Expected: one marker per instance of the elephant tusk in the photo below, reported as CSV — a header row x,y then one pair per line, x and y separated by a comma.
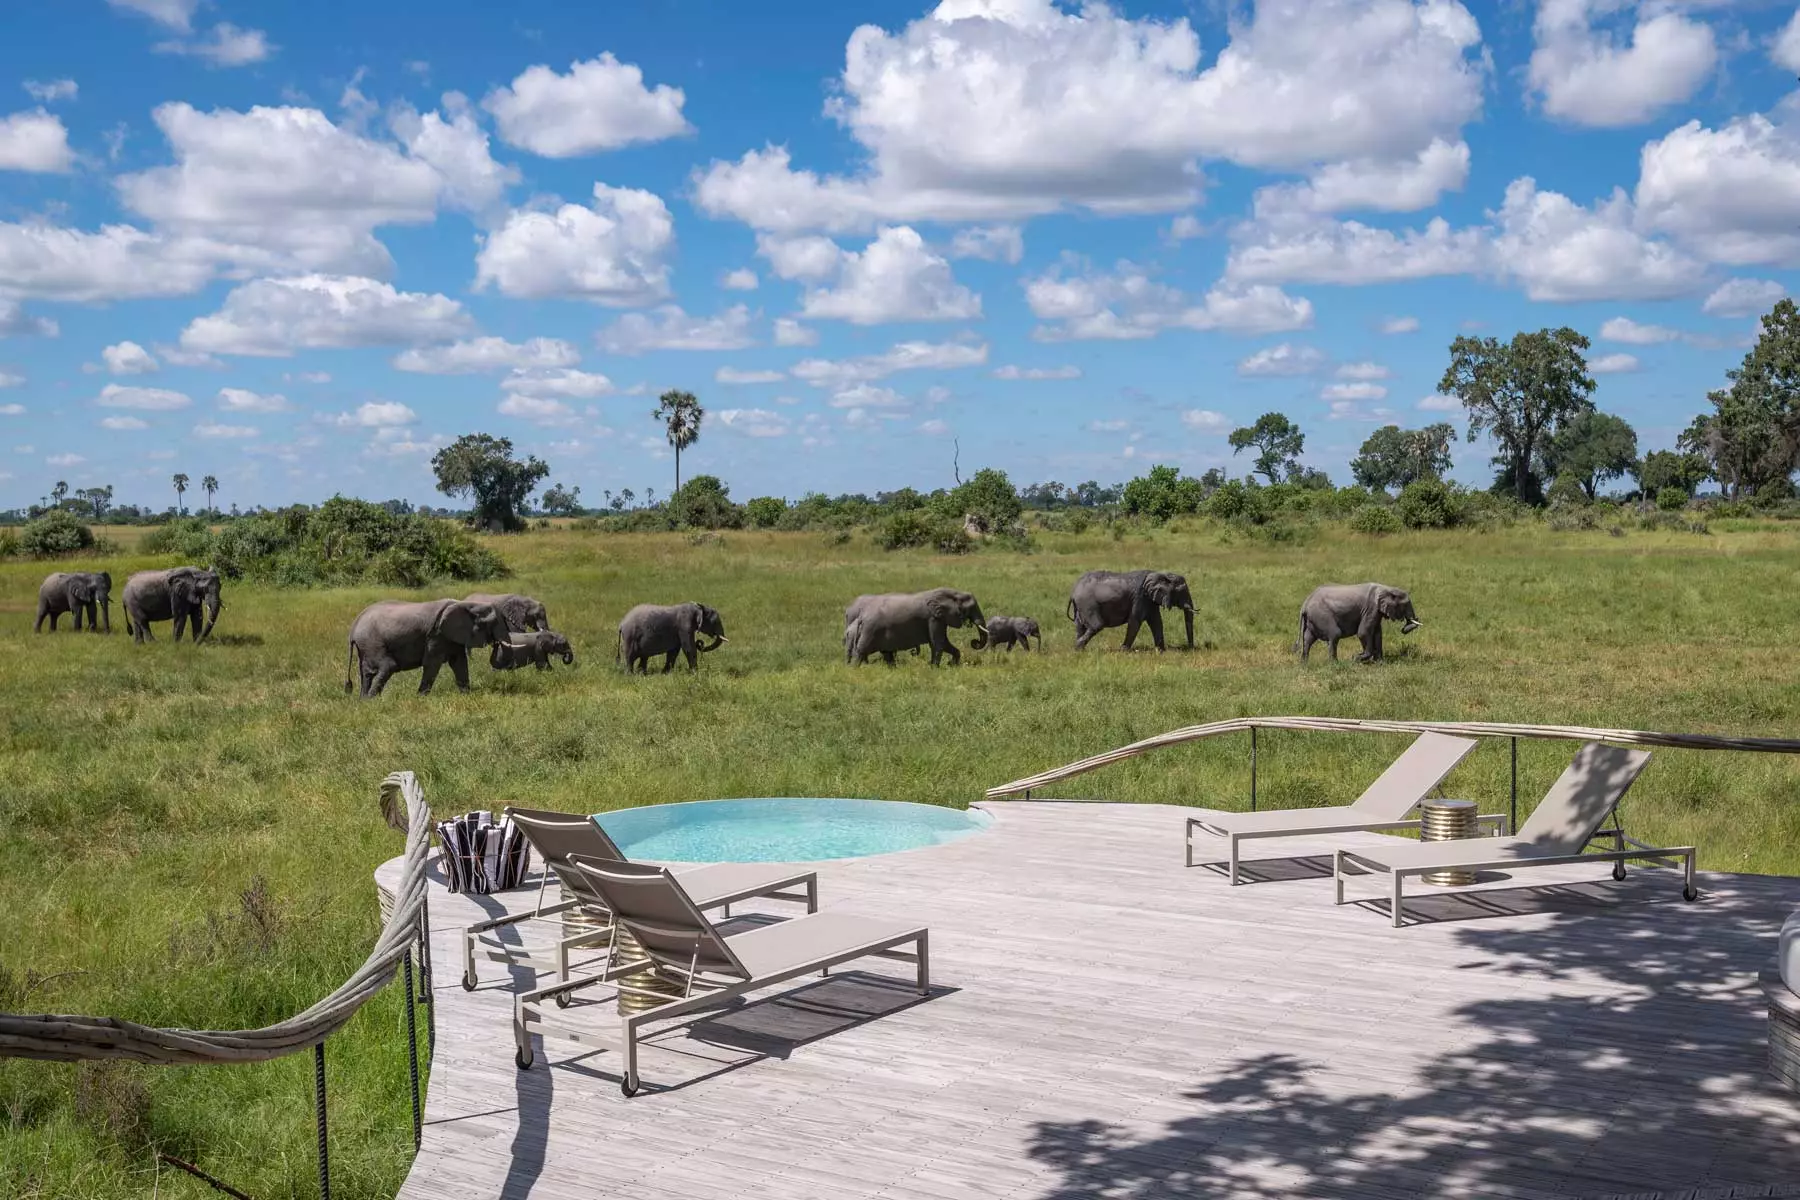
x,y
723,638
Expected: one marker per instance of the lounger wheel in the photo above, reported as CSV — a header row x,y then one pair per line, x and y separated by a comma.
x,y
1690,894
562,999
468,981
522,1056
1618,870
629,1085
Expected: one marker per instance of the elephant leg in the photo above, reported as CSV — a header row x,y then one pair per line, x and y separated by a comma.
x,y
1331,644
669,661
38,625
53,619
459,667
1131,631
887,656
1154,620
75,615
1083,635
429,675
375,678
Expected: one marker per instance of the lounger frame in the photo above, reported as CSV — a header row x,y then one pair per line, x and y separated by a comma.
x,y
1496,823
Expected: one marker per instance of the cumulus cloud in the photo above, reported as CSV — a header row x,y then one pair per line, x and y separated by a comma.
x,y
117,262
385,414
1205,420
16,322
474,356
867,395
1440,403
274,317
1560,251
735,375
741,280
896,277
1127,304
670,328
1374,184
457,149
934,427
789,332
754,422
903,356
539,410
128,358
1588,76
123,424
240,400
1634,333
611,253
1284,358
1730,193
1613,364
52,91
35,141
1393,325
225,45
115,395
212,429
64,460
996,243
1362,370
1786,49
601,104
986,110
1743,298
174,14
557,381
1353,391
1013,372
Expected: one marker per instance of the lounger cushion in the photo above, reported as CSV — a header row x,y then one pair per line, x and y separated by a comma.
x,y
713,883
1406,855
1288,820
773,949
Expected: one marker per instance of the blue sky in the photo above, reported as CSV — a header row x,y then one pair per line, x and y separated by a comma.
x,y
298,248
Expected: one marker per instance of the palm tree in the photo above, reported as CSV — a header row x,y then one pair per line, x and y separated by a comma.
x,y
680,414
181,482
58,492
210,484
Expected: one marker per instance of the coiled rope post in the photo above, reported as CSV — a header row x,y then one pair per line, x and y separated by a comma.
x,y
319,1112
412,1052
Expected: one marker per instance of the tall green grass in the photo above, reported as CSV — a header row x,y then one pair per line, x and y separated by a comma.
x,y
146,788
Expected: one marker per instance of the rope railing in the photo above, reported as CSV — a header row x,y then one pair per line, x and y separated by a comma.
x,y
1195,733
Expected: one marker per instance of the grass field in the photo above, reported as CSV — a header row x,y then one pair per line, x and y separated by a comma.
x,y
147,789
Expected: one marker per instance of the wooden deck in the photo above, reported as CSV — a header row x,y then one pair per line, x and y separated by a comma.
x,y
1107,1023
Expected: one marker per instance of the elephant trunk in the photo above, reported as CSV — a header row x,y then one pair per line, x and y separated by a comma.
x,y
981,637
213,604
1412,623
106,613
1187,617
568,658
719,639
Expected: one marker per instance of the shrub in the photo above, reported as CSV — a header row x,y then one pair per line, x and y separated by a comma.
x,y
704,502
1427,504
1236,499
1671,499
56,532
1161,494
912,527
9,543
954,540
1566,517
1565,491
1375,519
990,498
764,512
1076,520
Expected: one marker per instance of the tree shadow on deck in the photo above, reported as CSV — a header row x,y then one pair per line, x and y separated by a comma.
x,y
1623,1052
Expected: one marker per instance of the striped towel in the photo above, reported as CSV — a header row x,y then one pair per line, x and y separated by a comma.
x,y
479,855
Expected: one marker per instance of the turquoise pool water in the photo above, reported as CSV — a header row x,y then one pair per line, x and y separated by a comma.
x,y
784,829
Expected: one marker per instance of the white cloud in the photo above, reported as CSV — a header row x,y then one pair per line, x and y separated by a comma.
x,y
457,149
1400,325
867,395
669,328
1561,252
1743,298
116,263
789,332
211,429
1440,403
934,427
996,243
540,410
601,104
1613,364
50,93
65,460
175,356
987,109
124,424
1013,372
1204,419
1186,227
557,381
225,45
754,422
313,377
1309,250
474,356
275,317
1351,410
896,277
1284,358
741,280
1376,184
1731,193
386,414
115,395
1353,391
811,259
1127,304
390,442
1633,333
1589,77
1786,49
34,141
903,356
176,14
1114,426
611,253
11,379
128,358
735,375
16,322
241,401
1362,370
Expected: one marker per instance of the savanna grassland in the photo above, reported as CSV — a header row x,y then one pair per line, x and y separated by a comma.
x,y
189,831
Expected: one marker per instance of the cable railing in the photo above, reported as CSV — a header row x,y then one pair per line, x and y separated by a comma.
x,y
404,934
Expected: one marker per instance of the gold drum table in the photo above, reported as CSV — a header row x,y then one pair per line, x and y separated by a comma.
x,y
626,947
1445,821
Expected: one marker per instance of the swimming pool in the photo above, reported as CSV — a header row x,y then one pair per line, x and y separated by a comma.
x,y
784,829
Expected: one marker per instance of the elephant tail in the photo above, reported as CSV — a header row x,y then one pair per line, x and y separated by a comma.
x,y
1070,613
349,664
1301,640
618,644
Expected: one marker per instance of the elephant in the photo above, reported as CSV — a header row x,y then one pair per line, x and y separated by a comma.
x,y
522,613
403,635
1337,610
177,594
1004,631
531,649
885,624
1103,599
75,592
668,630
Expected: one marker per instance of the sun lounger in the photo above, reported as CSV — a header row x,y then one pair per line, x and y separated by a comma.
x,y
557,837
1566,820
698,967
1383,806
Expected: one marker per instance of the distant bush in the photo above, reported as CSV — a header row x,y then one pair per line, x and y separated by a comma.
x,y
764,512
1673,499
1374,518
56,532
912,527
704,502
9,543
1235,499
1566,518
1674,521
1427,504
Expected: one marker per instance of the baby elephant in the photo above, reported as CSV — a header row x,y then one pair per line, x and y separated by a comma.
x,y
668,630
530,649
1004,631
1340,610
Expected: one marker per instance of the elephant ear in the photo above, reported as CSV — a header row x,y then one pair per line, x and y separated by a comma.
x,y
1390,601
106,580
1158,587
456,622
938,608
181,590
81,590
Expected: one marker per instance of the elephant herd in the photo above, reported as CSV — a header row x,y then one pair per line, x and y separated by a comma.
x,y
398,635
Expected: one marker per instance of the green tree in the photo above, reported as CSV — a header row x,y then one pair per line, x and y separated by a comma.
x,y
1520,393
989,497
1393,457
765,512
562,501
210,485
704,502
181,486
680,414
1594,447
1162,493
99,499
1661,470
482,466
58,492
1751,439
1278,442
